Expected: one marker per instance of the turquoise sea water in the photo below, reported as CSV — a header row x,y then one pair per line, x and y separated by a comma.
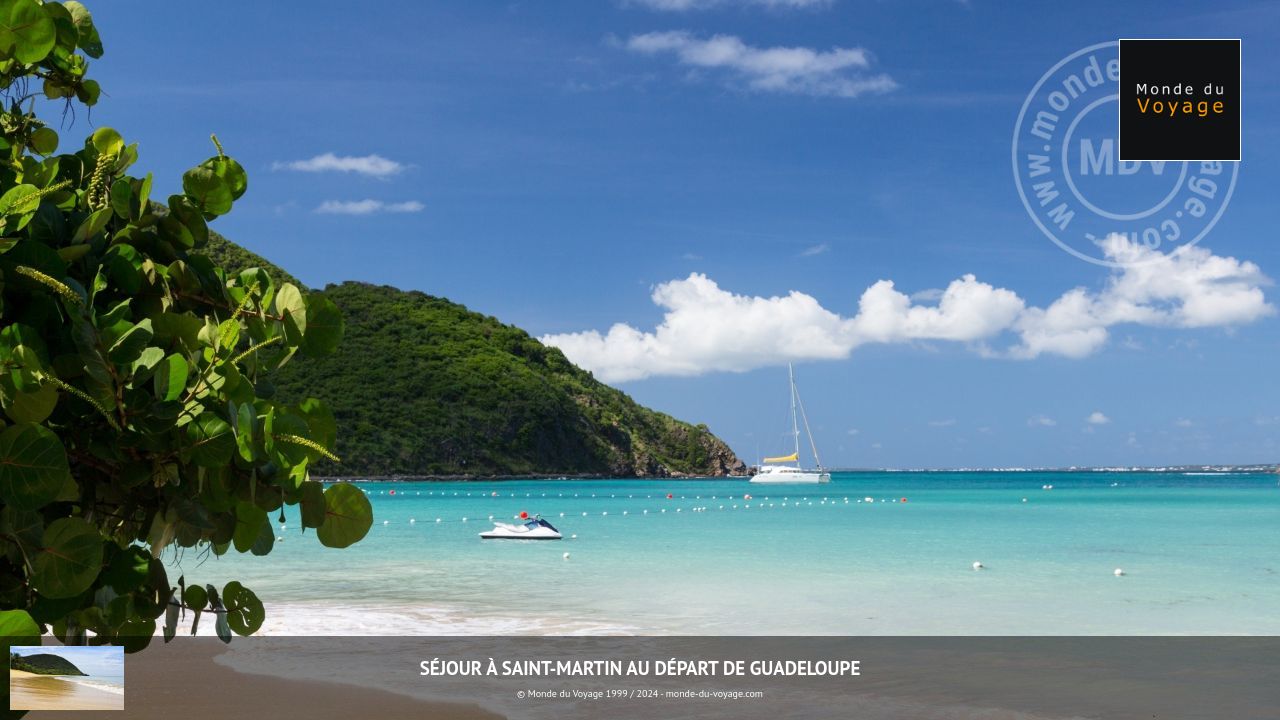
x,y
1201,555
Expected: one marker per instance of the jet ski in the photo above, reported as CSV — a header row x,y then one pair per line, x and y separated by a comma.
x,y
535,528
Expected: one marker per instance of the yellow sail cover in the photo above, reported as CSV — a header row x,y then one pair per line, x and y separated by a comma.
x,y
793,457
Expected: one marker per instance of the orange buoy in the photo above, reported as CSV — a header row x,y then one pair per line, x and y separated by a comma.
x,y
393,492
904,499
668,496
524,515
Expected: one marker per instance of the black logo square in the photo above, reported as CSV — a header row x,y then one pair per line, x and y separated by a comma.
x,y
1180,100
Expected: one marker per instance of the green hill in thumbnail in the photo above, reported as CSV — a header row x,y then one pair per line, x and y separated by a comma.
x,y
43,664
424,386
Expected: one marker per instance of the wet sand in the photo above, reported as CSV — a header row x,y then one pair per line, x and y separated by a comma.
x,y
182,677
28,691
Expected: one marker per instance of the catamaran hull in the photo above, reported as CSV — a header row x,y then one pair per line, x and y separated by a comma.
x,y
791,478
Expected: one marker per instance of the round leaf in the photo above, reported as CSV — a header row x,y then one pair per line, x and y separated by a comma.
x,y
214,442
33,466
244,610
33,406
70,560
347,516
107,141
209,192
195,598
18,627
26,32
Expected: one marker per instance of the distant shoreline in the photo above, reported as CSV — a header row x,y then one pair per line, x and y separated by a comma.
x,y
527,476
1171,469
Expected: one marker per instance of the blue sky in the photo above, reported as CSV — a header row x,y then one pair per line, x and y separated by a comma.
x,y
553,164
102,661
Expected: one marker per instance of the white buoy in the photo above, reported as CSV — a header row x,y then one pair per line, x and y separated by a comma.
x,y
412,521
279,538
977,565
566,556
386,522
1119,572
464,519
1024,499
573,537
437,519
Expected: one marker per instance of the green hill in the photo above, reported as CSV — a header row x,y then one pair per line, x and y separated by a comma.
x,y
424,386
43,664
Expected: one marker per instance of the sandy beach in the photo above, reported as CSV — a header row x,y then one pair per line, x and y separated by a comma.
x,y
183,676
28,691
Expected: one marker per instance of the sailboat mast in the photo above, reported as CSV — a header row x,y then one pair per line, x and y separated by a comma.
x,y
812,445
795,429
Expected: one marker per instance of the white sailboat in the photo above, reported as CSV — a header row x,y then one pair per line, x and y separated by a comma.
x,y
777,470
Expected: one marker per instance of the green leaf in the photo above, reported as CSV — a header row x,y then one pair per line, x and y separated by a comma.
x,y
246,419
70,561
324,326
347,516
19,205
26,32
213,440
209,192
195,598
291,305
32,406
107,142
171,377
312,504
135,635
231,172
128,570
44,141
129,346
88,40
250,520
244,610
33,466
18,628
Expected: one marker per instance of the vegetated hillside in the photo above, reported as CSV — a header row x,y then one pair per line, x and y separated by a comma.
x,y
424,386
44,664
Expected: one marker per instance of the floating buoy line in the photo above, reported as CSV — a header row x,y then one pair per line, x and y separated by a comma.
x,y
706,504
680,504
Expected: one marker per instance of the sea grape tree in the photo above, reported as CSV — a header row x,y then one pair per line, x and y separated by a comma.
x,y
135,376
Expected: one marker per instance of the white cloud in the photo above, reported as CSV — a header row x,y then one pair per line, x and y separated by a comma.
x,y
1097,418
1041,421
367,207
854,431
371,165
839,72
684,5
1183,423
942,423
708,329
815,250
